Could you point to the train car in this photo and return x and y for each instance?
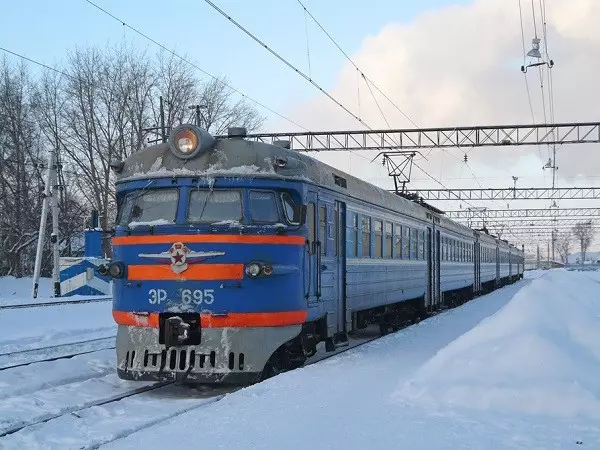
(233, 259)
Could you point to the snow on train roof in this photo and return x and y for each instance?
(238, 157)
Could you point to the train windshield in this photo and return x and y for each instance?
(150, 207)
(215, 206)
(263, 207)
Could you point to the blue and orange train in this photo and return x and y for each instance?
(233, 259)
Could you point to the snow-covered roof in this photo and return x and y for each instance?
(238, 157)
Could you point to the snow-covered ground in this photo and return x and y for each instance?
(30, 328)
(517, 368)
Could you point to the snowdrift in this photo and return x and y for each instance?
(538, 355)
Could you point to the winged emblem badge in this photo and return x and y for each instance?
(179, 256)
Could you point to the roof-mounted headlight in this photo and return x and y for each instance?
(187, 141)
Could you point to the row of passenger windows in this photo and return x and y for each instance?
(389, 240)
(375, 238)
(455, 250)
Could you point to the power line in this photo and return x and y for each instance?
(145, 36)
(367, 80)
(370, 83)
(283, 60)
(35, 62)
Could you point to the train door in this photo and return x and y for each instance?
(312, 251)
(430, 268)
(437, 271)
(339, 262)
(326, 268)
(497, 265)
(477, 267)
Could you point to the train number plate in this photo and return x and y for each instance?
(185, 296)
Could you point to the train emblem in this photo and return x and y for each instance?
(181, 256)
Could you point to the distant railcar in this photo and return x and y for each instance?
(233, 259)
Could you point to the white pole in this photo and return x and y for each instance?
(43, 219)
(55, 234)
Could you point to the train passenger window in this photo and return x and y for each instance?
(378, 226)
(366, 237)
(263, 207)
(323, 229)
(388, 240)
(421, 244)
(398, 242)
(310, 221)
(288, 207)
(215, 206)
(413, 243)
(149, 206)
(406, 243)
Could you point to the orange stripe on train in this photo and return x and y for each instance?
(208, 238)
(201, 272)
(237, 320)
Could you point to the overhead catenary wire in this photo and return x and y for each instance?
(369, 83)
(302, 74)
(284, 61)
(196, 66)
(354, 64)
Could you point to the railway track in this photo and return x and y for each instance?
(172, 401)
(20, 358)
(11, 433)
(57, 303)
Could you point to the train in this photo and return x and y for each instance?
(233, 259)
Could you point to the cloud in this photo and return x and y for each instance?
(460, 66)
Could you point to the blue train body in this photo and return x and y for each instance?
(233, 259)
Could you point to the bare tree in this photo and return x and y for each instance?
(20, 177)
(220, 112)
(96, 109)
(563, 245)
(584, 233)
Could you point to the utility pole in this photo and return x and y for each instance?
(50, 191)
(163, 132)
(54, 237)
(548, 255)
(197, 109)
(538, 255)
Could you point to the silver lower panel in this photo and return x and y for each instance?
(226, 355)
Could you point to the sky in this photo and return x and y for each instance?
(443, 62)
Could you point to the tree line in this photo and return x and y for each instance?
(96, 108)
(580, 236)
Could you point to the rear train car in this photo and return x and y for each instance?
(233, 259)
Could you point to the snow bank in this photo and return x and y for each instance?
(353, 400)
(539, 355)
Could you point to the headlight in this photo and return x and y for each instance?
(187, 141)
(116, 270)
(253, 269)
